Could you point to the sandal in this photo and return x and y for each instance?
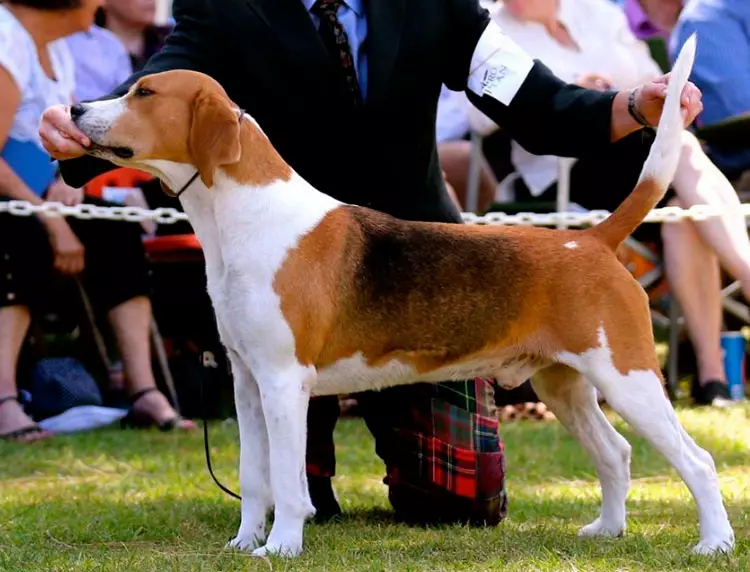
(137, 420)
(22, 435)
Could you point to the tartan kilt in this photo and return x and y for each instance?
(440, 443)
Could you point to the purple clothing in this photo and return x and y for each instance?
(639, 23)
(101, 62)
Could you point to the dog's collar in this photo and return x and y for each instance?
(191, 180)
(186, 185)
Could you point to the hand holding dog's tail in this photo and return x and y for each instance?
(661, 162)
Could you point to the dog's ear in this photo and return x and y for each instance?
(214, 135)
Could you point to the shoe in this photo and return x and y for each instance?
(321, 493)
(137, 420)
(713, 392)
(28, 434)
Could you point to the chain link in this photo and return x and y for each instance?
(570, 219)
(590, 218)
(88, 211)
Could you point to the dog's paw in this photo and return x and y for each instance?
(288, 550)
(246, 543)
(715, 545)
(602, 528)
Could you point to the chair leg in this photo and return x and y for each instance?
(674, 343)
(734, 307)
(161, 356)
(101, 346)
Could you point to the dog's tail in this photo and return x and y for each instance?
(660, 164)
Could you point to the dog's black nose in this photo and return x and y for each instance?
(77, 110)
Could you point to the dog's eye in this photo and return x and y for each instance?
(142, 92)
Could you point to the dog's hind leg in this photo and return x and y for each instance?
(255, 482)
(285, 394)
(573, 401)
(639, 398)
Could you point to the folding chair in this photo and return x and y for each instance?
(728, 135)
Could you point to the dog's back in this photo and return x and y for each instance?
(412, 301)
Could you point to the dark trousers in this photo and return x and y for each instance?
(115, 262)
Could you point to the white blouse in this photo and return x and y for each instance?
(18, 55)
(607, 46)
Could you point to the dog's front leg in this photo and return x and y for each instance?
(285, 393)
(255, 482)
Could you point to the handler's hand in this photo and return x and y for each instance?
(68, 251)
(595, 81)
(649, 100)
(60, 136)
(60, 192)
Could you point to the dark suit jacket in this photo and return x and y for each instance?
(268, 56)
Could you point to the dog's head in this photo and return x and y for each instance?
(182, 117)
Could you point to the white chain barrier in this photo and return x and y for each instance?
(87, 211)
(569, 219)
(591, 218)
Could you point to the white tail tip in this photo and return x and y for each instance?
(682, 68)
(664, 156)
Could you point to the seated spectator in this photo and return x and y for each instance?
(454, 149)
(651, 18)
(722, 67)
(133, 22)
(588, 42)
(36, 71)
(101, 62)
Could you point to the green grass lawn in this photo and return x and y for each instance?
(143, 501)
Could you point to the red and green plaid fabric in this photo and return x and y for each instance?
(452, 442)
(440, 440)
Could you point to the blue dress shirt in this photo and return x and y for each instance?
(722, 62)
(351, 14)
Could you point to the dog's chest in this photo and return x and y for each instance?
(246, 235)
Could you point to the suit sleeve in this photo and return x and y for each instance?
(192, 45)
(545, 115)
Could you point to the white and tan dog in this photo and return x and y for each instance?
(313, 296)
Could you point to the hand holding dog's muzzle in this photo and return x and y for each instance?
(60, 136)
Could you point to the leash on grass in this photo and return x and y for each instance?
(207, 360)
